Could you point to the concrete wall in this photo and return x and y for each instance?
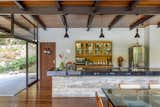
(122, 38)
(147, 46)
(154, 46)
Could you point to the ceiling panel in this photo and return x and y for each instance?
(52, 21)
(30, 18)
(127, 20)
(5, 23)
(153, 21)
(77, 20)
(102, 20)
(22, 21)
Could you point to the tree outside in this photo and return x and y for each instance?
(13, 56)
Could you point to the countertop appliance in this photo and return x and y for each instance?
(136, 56)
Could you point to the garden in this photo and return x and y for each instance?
(13, 56)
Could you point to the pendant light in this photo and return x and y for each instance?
(101, 34)
(137, 34)
(66, 34)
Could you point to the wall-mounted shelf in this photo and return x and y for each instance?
(93, 54)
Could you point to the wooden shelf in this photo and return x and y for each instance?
(94, 66)
(97, 52)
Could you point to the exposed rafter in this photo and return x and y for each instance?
(51, 10)
(140, 21)
(20, 4)
(95, 6)
(29, 21)
(64, 21)
(132, 5)
(39, 21)
(24, 8)
(17, 23)
(6, 30)
(91, 16)
(89, 22)
(63, 16)
(59, 6)
(114, 21)
(158, 25)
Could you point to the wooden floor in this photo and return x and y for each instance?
(40, 95)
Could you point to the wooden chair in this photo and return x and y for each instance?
(154, 86)
(129, 86)
(99, 102)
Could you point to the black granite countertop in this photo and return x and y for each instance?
(108, 72)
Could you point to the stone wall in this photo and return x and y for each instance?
(86, 86)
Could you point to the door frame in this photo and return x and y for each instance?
(37, 64)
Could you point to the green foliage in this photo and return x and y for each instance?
(18, 64)
(11, 41)
(2, 69)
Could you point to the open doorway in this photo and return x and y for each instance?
(12, 66)
(18, 65)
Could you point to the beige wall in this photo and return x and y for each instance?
(122, 38)
(154, 35)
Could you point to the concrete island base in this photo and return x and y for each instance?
(86, 86)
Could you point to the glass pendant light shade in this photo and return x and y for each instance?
(101, 35)
(66, 34)
(137, 34)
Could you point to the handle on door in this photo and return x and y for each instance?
(54, 61)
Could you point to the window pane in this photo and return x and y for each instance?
(12, 66)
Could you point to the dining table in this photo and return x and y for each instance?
(132, 97)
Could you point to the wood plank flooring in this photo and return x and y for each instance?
(40, 95)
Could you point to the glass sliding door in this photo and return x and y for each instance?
(12, 66)
(32, 63)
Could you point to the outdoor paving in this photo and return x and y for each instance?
(11, 84)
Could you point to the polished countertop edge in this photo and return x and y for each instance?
(112, 73)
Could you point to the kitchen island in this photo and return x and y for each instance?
(85, 84)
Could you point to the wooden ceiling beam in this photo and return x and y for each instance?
(158, 25)
(132, 5)
(59, 6)
(24, 8)
(51, 10)
(20, 4)
(140, 21)
(95, 6)
(18, 24)
(24, 17)
(63, 16)
(64, 21)
(114, 21)
(94, 9)
(89, 22)
(39, 21)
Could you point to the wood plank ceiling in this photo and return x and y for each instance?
(80, 14)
